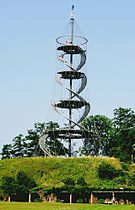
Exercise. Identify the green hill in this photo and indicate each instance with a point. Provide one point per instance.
(50, 172)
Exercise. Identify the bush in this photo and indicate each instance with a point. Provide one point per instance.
(106, 171)
(121, 180)
(131, 180)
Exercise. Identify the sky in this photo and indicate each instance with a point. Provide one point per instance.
(28, 30)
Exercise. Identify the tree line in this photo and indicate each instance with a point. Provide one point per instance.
(109, 137)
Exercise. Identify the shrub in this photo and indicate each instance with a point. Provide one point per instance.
(131, 180)
(121, 180)
(106, 171)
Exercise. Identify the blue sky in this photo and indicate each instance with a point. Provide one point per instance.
(28, 30)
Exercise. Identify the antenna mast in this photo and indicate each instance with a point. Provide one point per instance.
(72, 24)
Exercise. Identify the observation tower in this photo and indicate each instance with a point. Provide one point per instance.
(71, 50)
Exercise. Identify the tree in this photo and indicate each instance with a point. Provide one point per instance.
(8, 186)
(69, 185)
(124, 133)
(24, 183)
(81, 185)
(18, 146)
(124, 119)
(6, 151)
(100, 142)
(76, 186)
(32, 144)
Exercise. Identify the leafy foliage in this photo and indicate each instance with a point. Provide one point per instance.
(131, 180)
(101, 135)
(124, 134)
(69, 184)
(107, 171)
(111, 137)
(8, 185)
(6, 151)
(20, 184)
(18, 146)
(24, 182)
(78, 185)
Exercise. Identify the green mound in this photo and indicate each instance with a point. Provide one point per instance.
(50, 172)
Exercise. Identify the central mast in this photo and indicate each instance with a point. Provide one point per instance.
(71, 64)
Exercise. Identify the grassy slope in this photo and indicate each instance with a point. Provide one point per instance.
(49, 172)
(58, 206)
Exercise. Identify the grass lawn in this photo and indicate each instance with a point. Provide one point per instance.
(60, 206)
